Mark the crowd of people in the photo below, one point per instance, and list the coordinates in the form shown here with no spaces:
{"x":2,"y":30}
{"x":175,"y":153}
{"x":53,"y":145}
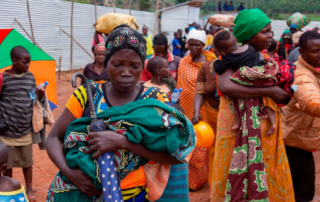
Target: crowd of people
{"x":228,"y":7}
{"x":264,"y":111}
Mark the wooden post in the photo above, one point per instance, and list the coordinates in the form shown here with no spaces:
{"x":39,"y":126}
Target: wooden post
{"x":113,"y":5}
{"x":76,"y":42}
{"x":30,"y":21}
{"x":35,"y":43}
{"x":255,"y":2}
{"x":95,"y":9}
{"x":247,"y":4}
{"x":130,"y":5}
{"x":217,"y":7}
{"x":155,"y":20}
{"x":59,"y":67}
{"x":251,"y":4}
{"x":71,"y":27}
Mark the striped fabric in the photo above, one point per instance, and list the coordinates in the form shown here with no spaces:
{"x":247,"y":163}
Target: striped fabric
{"x":135,"y":194}
{"x":177,"y":188}
{"x":16,"y":104}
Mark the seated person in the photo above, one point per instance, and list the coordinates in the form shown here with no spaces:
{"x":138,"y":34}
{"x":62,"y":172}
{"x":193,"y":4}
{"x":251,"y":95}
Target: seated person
{"x":235,"y":56}
{"x":158,"y":67}
{"x":10,"y":189}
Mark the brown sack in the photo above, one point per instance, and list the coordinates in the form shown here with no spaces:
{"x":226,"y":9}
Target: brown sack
{"x":107,"y":22}
{"x":222,"y":20}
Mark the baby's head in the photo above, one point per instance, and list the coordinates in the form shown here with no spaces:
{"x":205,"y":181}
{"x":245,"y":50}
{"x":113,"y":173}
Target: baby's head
{"x":158,"y":66}
{"x":225,"y":42}
{"x":3,"y":157}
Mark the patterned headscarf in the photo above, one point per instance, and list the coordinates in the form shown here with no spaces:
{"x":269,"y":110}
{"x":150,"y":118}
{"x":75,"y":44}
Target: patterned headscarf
{"x":99,"y":47}
{"x":124,"y":37}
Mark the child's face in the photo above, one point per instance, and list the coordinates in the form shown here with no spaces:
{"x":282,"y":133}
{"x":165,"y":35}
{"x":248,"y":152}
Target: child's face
{"x":21,"y":64}
{"x":164,"y":71}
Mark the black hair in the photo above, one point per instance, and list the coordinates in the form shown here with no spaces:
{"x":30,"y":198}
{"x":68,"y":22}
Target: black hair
{"x":17,"y":51}
{"x":154,"y":64}
{"x":175,"y":33}
{"x":218,"y":30}
{"x":186,"y":30}
{"x":273,"y":45}
{"x":92,"y":48}
{"x":307,"y":36}
{"x":160,"y":39}
{"x":179,"y":30}
{"x":315,"y":29}
{"x":220,"y":39}
{"x":3,"y":153}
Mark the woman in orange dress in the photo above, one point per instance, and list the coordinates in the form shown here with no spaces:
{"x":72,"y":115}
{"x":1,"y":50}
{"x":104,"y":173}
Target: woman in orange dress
{"x":187,"y":80}
{"x":253,"y":28}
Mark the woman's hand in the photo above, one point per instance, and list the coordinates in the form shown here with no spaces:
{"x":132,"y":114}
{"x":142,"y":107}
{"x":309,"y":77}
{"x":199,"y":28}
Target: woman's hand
{"x":278,"y":95}
{"x":196,"y":118}
{"x":105,"y":141}
{"x":83,"y":182}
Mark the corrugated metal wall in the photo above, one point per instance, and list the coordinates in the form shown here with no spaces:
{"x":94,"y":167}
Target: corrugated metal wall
{"x":49,"y":16}
{"x":174,"y":19}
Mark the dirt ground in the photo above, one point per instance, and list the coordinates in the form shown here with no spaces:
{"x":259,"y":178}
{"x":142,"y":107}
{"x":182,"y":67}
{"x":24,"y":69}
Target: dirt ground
{"x":44,"y":170}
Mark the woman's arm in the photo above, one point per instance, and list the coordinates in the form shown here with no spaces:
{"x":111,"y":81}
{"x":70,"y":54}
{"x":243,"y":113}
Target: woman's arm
{"x":232,"y":89}
{"x":107,"y":141}
{"x":54,"y":149}
{"x":198,"y":100}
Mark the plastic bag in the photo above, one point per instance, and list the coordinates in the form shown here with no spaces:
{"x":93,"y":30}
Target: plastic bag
{"x":107,"y":22}
{"x":299,"y":19}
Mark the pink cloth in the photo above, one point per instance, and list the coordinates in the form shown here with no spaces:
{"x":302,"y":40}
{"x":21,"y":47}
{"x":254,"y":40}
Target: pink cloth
{"x":100,"y":40}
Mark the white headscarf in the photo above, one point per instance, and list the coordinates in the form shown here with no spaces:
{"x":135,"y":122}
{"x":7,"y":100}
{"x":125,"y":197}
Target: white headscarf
{"x":198,"y":35}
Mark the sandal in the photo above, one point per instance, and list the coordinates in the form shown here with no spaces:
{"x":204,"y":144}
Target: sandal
{"x":31,"y":198}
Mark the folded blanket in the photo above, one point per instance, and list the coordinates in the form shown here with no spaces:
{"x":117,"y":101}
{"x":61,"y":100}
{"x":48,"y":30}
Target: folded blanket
{"x":154,"y":124}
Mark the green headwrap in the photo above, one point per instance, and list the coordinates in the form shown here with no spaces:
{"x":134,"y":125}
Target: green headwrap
{"x":249,"y":23}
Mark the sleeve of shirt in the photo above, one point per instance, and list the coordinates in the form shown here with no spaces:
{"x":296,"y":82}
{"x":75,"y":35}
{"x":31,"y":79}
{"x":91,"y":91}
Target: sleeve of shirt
{"x":145,"y":75}
{"x":77,"y":102}
{"x":307,"y":95}
{"x":201,"y":80}
{"x":220,"y":67}
{"x":174,"y":43}
{"x":85,"y":71}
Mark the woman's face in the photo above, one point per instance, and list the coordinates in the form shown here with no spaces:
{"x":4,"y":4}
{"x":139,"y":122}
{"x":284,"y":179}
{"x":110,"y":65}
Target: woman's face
{"x":195,"y":46}
{"x":124,"y":68}
{"x":287,"y":41}
{"x":99,"y":57}
{"x":161,"y":51}
{"x":262,"y":40}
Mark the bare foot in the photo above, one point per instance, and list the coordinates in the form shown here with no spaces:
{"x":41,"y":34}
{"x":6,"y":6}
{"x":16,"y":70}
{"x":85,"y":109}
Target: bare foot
{"x":271,"y":130}
{"x":235,"y":127}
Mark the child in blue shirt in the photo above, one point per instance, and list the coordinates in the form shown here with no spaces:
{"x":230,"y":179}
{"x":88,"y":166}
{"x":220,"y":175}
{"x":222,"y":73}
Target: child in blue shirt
{"x":176,"y":45}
